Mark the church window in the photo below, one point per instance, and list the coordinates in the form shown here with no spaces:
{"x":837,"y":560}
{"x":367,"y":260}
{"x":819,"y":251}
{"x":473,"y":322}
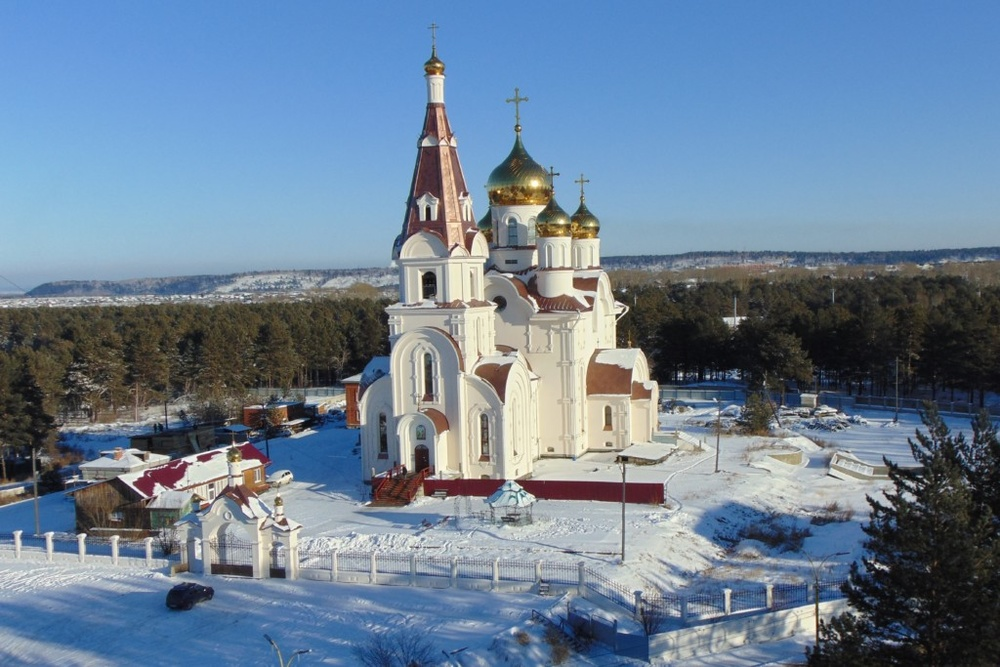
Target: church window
{"x":427,"y":212}
{"x":428,"y":285}
{"x":484,"y":437}
{"x":608,"y":423}
{"x":428,"y":376}
{"x":383,"y":437}
{"x":512,"y":239}
{"x":421,"y":432}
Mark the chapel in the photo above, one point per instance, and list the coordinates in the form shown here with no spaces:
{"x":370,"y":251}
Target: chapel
{"x":502,"y":343}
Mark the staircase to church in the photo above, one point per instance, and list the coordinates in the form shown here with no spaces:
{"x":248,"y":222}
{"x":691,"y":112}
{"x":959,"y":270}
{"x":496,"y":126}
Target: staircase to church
{"x":399,"y":490}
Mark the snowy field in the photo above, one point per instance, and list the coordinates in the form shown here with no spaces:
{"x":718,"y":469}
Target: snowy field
{"x":98,"y":615}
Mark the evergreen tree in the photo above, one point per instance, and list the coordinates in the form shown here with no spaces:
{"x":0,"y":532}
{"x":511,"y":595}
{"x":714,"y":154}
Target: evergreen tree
{"x":926,"y":592}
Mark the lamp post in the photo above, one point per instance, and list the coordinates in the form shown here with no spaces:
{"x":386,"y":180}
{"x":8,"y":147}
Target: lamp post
{"x":291,"y":659}
{"x":623,"y":460}
{"x":718,"y":430}
{"x":816,"y":567}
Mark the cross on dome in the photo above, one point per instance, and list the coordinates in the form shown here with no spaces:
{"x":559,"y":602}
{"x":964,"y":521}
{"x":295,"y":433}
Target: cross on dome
{"x":581,"y":181}
{"x":517,"y":99}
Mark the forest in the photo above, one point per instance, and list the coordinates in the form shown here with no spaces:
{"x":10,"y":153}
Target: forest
{"x":861,"y":334}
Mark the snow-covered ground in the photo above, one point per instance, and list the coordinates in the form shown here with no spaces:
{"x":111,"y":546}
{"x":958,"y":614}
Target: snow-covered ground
{"x":98,"y":615}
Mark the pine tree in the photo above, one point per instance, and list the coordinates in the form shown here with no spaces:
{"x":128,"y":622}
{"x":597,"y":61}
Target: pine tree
{"x":926,"y":591}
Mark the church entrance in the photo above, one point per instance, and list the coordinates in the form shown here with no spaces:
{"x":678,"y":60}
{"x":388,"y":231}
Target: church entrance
{"x":421,"y":458}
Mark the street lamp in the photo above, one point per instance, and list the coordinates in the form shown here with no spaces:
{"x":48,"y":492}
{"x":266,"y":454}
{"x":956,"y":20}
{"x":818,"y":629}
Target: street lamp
{"x":718,"y":430}
{"x":34,"y":481}
{"x":291,"y":659}
{"x":816,"y":567}
{"x":623,"y":460}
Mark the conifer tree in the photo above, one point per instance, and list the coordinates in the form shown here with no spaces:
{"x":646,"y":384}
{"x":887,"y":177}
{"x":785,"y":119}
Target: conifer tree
{"x":926,"y":591}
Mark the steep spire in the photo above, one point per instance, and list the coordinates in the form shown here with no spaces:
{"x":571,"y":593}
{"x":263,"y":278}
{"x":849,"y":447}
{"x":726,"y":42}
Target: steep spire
{"x":439,"y":200}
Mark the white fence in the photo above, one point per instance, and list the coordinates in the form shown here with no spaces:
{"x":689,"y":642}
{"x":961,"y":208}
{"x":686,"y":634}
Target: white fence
{"x":670,"y":610}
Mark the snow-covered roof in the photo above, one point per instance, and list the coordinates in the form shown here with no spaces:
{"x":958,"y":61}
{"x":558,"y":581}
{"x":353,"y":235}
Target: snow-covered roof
{"x":124,"y":460}
{"x":170,"y":500}
{"x":190,"y":471}
{"x":511,"y":494}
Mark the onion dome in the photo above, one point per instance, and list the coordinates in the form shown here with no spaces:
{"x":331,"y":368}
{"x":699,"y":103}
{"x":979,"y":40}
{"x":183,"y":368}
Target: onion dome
{"x":553,"y":221}
{"x":585,"y":224}
{"x":485,"y":226}
{"x":434,"y":65}
{"x":519,"y":179}
{"x":279,"y":501}
{"x":234,"y":455}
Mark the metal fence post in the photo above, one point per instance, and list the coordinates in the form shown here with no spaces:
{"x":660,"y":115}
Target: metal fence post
{"x":727,"y":601}
{"x":538,"y":572}
{"x":454,"y":572}
{"x":114,"y":549}
{"x":17,"y":544}
{"x":372,"y":571}
{"x":684,"y":609}
{"x":581,"y":587}
{"x":496,"y":574}
{"x":413,"y":569}
{"x":334,"y":575}
{"x":638,"y":607}
{"x":81,"y":546}
{"x":149,"y":551}
{"x":48,"y":546}
{"x":769,"y":596}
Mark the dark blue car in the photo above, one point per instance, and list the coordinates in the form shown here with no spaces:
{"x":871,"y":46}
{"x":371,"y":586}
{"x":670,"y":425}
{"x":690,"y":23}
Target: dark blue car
{"x":188,"y":594}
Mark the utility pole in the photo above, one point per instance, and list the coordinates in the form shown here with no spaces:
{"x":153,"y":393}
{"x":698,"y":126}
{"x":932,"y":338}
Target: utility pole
{"x":34,"y":480}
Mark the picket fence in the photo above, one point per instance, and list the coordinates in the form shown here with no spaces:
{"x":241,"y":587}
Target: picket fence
{"x":656,"y":610}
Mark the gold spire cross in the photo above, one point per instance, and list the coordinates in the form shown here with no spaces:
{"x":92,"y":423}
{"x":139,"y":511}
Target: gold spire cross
{"x":517,"y":99}
{"x":552,"y":176}
{"x":581,"y":181}
{"x":433,"y":28}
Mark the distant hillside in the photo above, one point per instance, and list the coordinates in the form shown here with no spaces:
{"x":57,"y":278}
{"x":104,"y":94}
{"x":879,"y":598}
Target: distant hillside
{"x":329,"y":279}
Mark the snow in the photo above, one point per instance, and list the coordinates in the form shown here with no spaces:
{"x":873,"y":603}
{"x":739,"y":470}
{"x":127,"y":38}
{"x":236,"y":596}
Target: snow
{"x":58,"y":613}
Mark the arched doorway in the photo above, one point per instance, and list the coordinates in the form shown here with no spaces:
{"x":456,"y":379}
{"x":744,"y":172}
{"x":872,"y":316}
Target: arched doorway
{"x":421,"y":458}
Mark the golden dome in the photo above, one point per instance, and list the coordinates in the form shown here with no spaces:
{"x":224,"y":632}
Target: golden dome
{"x":234,"y":455}
{"x":553,"y":221}
{"x":519,"y":179}
{"x":434,"y":65}
{"x":585,"y":224}
{"x":279,"y":501}
{"x":485,"y":226}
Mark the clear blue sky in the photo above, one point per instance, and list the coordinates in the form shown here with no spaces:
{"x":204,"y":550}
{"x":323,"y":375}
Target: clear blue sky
{"x":170,"y":138}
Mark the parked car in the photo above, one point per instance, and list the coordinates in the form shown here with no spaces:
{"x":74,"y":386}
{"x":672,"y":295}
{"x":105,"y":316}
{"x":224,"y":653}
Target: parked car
{"x":188,"y":594}
{"x":280,"y":477}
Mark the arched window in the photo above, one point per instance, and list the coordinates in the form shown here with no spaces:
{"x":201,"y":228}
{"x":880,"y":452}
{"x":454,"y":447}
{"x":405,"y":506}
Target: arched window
{"x":428,"y":285}
{"x":383,"y":437}
{"x":484,"y":436}
{"x":427,"y":212}
{"x":421,"y":432}
{"x":428,"y":376}
{"x":607,"y":418}
{"x":512,"y":239}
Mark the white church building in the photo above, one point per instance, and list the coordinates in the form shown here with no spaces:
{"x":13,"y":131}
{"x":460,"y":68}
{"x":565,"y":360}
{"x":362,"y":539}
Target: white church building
{"x":502,"y":342}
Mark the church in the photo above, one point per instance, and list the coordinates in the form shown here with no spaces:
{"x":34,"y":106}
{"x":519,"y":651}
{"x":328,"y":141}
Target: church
{"x":502,"y":342}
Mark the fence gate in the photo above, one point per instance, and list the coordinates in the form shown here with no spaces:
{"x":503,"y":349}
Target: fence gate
{"x":277,"y":561}
{"x":231,"y":555}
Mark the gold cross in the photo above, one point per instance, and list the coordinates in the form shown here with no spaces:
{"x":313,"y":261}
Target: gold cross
{"x":433,"y":28}
{"x":517,"y":99}
{"x":552,"y":176}
{"x":581,"y":181}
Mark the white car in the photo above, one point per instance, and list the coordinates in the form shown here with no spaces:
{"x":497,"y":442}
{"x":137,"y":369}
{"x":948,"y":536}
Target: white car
{"x":280,"y":478}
